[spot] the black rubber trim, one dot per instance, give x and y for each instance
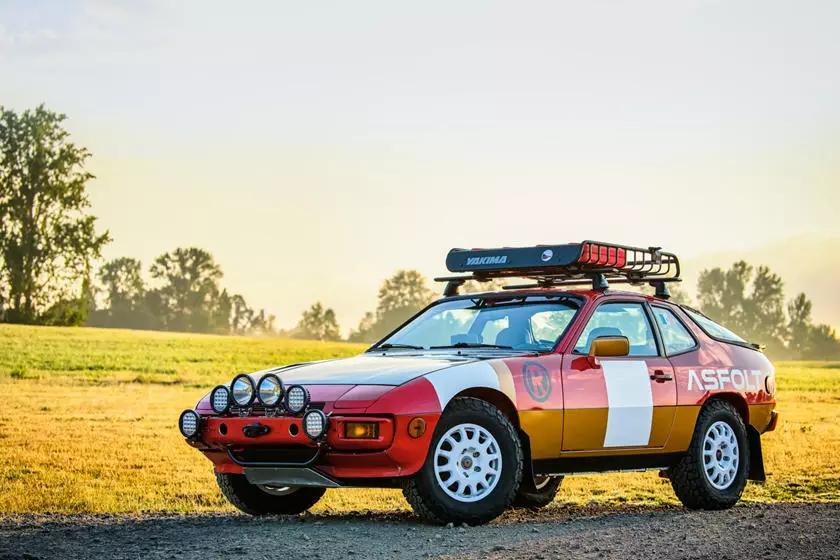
(307, 463)
(606, 463)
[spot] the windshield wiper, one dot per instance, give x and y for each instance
(390, 346)
(471, 345)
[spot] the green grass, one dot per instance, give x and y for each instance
(112, 356)
(87, 424)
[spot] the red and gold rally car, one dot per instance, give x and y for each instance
(485, 401)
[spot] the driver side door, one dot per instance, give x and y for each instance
(619, 402)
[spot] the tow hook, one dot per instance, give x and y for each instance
(255, 430)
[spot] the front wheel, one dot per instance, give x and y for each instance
(267, 500)
(713, 474)
(473, 467)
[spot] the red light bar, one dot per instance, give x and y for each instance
(603, 255)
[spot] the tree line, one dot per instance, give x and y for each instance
(187, 297)
(49, 245)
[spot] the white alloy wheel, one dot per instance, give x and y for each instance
(277, 490)
(468, 462)
(720, 455)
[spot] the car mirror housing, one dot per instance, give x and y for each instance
(608, 347)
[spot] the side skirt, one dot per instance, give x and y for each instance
(608, 463)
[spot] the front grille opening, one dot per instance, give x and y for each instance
(275, 454)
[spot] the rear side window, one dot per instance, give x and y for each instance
(713, 329)
(675, 336)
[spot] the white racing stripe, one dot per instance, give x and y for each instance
(451, 381)
(630, 400)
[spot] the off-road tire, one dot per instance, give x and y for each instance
(250, 499)
(428, 499)
(688, 477)
(537, 498)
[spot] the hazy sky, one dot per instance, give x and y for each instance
(316, 147)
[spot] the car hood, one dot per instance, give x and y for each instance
(377, 369)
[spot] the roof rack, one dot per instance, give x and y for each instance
(564, 265)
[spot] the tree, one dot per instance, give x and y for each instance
(758, 316)
(822, 344)
(364, 332)
(400, 297)
(47, 240)
(799, 325)
(318, 323)
(764, 310)
(126, 304)
(241, 315)
(189, 295)
(492, 285)
(720, 294)
(70, 312)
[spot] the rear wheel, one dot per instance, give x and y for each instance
(267, 500)
(473, 467)
(713, 474)
(539, 494)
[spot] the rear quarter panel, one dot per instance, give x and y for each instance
(742, 375)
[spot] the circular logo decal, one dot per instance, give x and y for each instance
(537, 381)
(547, 254)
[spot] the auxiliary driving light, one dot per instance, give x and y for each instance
(220, 399)
(315, 423)
(242, 389)
(361, 430)
(188, 423)
(269, 390)
(297, 399)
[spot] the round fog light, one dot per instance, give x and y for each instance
(315, 423)
(297, 399)
(269, 390)
(242, 390)
(220, 399)
(188, 423)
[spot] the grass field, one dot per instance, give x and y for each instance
(87, 424)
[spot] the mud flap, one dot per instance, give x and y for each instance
(528, 483)
(756, 458)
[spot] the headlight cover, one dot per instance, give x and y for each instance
(315, 423)
(188, 423)
(242, 390)
(270, 390)
(220, 399)
(297, 399)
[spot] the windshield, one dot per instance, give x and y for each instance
(534, 323)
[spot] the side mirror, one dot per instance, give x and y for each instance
(607, 347)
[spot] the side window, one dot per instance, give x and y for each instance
(713, 329)
(675, 336)
(620, 319)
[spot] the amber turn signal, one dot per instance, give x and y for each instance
(361, 430)
(417, 427)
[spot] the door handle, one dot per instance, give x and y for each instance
(661, 376)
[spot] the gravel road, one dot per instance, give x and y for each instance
(747, 531)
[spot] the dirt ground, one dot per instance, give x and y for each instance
(747, 531)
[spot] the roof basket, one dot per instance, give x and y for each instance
(562, 265)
